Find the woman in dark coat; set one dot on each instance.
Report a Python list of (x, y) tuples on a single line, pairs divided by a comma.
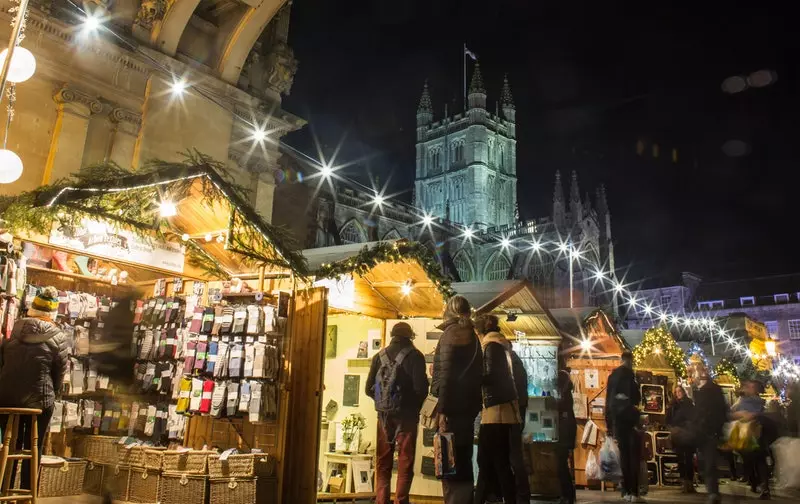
[(567, 433), (456, 382), (678, 417), (32, 366)]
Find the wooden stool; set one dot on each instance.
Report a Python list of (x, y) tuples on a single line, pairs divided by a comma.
[(8, 454)]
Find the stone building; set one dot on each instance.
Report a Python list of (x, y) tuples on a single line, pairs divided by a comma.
[(773, 300), (114, 93), (466, 177)]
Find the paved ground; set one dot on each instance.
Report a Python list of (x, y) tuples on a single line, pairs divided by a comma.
[(733, 493)]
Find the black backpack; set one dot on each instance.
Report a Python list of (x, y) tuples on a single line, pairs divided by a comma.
[(388, 395)]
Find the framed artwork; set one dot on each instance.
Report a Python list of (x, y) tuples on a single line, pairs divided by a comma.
[(330, 342), (362, 476), (653, 399), (362, 350), (352, 389)]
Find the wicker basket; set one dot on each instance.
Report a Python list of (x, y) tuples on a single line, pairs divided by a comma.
[(97, 449), (130, 455), (233, 491), (93, 479), (243, 465), (181, 488), (116, 480), (154, 458), (189, 462), (62, 480), (143, 487)]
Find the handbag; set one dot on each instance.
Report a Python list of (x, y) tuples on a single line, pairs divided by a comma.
[(444, 455), (429, 412)]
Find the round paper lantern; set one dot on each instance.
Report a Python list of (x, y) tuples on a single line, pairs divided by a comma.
[(10, 166), (23, 64)]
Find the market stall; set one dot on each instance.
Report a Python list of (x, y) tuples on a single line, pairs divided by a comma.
[(536, 339), (591, 348), (372, 287), (177, 239)]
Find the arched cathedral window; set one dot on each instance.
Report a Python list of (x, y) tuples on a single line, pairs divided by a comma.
[(498, 268), (352, 233), (464, 267)]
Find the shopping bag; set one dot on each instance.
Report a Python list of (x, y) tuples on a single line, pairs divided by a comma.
[(444, 455), (589, 434), (743, 437), (787, 462), (610, 468), (592, 468)]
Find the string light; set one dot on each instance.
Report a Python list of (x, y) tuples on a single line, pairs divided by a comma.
[(167, 209), (536, 245), (185, 237), (468, 233), (505, 243), (427, 220), (326, 171), (586, 344), (91, 23), (406, 288), (178, 87), (208, 237)]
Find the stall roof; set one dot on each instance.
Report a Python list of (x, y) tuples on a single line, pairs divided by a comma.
[(380, 277), (572, 321), (207, 204), (511, 297)]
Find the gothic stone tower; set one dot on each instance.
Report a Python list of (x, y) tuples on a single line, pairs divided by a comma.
[(467, 164)]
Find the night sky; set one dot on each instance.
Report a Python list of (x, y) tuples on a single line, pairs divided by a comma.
[(590, 81)]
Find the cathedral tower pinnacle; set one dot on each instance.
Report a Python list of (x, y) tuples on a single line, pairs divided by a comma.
[(477, 92), (509, 110), (558, 202), (575, 205), (425, 109)]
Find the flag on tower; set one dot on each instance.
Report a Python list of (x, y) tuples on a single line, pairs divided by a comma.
[(471, 54)]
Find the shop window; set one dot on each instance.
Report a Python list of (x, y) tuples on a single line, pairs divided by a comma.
[(794, 329), (781, 298), (747, 301), (711, 305), (772, 328), (498, 268)]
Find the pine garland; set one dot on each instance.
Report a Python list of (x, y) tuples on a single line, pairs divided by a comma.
[(132, 205), (726, 368), (660, 340), (393, 252)]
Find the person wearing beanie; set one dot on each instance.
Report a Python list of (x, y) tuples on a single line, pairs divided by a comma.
[(398, 424), (32, 366)]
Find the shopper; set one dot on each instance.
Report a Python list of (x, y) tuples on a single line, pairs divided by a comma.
[(710, 414), (678, 418), (622, 419), (517, 445), (793, 410), (456, 383), (499, 415), (398, 384), (32, 366), (567, 432), (750, 408)]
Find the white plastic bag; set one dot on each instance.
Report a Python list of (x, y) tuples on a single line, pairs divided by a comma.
[(592, 467), (610, 468), (786, 451)]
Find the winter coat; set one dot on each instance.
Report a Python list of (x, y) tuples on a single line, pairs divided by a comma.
[(32, 364), (567, 425), (622, 399), (411, 377), (680, 413), (499, 389), (521, 384), (710, 412), (457, 370)]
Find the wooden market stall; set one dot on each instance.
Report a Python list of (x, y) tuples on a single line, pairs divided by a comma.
[(536, 339), (591, 348), (179, 231), (371, 288)]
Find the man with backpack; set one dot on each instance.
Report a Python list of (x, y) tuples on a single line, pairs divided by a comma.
[(622, 420), (398, 384)]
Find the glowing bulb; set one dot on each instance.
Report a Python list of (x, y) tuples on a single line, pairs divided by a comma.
[(468, 233), (599, 275), (378, 199), (178, 87), (657, 351), (562, 247), (23, 64), (427, 219), (91, 23), (185, 237), (220, 238), (167, 209), (10, 166), (406, 289), (326, 170), (209, 237), (662, 317), (536, 246), (586, 344), (259, 135), (618, 288), (123, 275), (648, 309), (505, 243)]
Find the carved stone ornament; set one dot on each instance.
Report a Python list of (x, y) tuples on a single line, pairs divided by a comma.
[(280, 66), (150, 11), (124, 115), (71, 95)]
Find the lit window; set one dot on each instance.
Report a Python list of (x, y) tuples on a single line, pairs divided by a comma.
[(710, 305), (498, 269), (665, 301), (464, 267), (781, 298), (794, 329), (772, 328), (747, 301)]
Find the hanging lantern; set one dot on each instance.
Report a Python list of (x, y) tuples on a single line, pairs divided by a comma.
[(23, 64), (10, 166)]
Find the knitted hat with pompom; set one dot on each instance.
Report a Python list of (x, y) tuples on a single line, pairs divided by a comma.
[(45, 304)]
